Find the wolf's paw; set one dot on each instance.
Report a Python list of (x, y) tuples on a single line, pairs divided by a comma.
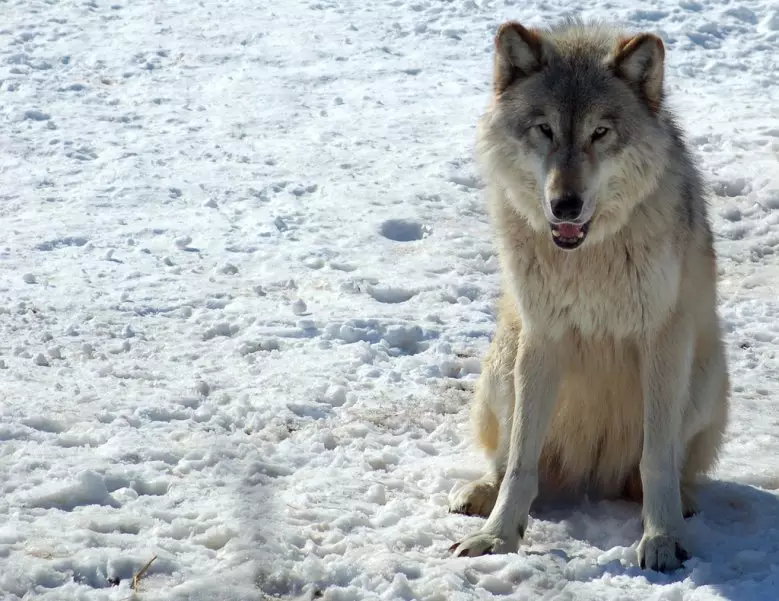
[(661, 553), (483, 543), (475, 498)]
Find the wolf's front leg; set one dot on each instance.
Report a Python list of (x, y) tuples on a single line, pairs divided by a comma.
[(665, 368), (536, 375)]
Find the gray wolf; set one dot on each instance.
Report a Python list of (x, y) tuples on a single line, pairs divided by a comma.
[(607, 373)]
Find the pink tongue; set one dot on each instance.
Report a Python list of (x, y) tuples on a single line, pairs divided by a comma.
[(569, 230)]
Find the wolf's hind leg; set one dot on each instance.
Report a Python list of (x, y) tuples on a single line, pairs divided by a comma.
[(491, 420), (478, 497)]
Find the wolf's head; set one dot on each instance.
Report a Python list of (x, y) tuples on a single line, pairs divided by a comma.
[(575, 131)]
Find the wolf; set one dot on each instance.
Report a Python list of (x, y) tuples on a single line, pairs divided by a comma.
[(607, 373)]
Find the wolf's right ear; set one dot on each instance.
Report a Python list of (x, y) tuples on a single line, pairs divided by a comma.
[(519, 52)]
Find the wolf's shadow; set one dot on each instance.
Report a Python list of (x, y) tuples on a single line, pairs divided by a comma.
[(733, 540)]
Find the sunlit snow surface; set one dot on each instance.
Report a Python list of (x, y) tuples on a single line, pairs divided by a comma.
[(246, 278)]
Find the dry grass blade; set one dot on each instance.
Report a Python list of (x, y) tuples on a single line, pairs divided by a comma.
[(141, 573)]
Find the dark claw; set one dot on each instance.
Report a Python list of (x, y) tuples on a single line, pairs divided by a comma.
[(681, 553), (642, 563)]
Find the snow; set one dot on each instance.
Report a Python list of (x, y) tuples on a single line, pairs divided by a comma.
[(246, 277)]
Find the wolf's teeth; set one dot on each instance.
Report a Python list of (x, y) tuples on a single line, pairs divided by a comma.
[(555, 233), (580, 235)]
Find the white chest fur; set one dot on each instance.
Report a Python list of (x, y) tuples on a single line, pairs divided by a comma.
[(621, 287)]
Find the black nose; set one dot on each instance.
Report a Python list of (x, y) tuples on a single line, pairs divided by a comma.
[(567, 207)]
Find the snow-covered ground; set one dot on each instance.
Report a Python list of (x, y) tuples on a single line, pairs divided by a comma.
[(246, 278)]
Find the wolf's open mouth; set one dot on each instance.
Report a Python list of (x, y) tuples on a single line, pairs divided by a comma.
[(569, 236)]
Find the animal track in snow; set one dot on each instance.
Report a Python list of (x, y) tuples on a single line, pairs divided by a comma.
[(466, 181), (398, 339), (461, 294), (731, 213), (404, 230), (36, 115), (302, 190), (44, 424), (390, 295), (89, 489), (220, 329), (731, 188), (338, 266), (62, 243)]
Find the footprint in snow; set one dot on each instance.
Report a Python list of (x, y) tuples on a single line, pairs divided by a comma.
[(302, 190), (404, 230)]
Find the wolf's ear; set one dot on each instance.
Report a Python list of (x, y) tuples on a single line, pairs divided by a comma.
[(640, 61), (519, 52)]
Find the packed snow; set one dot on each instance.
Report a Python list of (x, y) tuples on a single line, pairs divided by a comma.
[(247, 277)]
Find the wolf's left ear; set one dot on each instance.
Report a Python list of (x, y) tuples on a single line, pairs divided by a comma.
[(519, 52), (640, 61)]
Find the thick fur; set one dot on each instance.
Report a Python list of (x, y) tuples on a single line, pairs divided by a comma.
[(607, 373)]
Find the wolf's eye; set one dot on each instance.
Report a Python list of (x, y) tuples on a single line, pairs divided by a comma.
[(599, 133), (546, 130)]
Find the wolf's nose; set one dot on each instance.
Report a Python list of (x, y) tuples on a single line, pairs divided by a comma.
[(567, 207)]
